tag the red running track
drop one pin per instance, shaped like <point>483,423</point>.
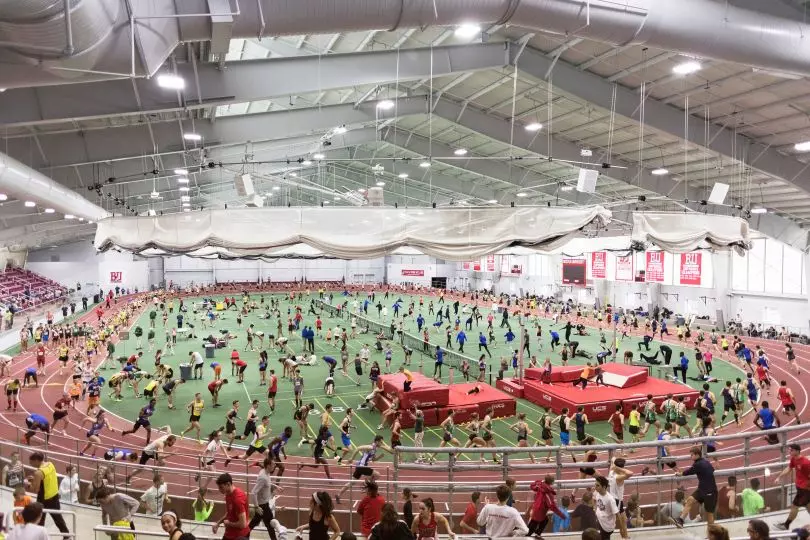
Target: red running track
<point>41,400</point>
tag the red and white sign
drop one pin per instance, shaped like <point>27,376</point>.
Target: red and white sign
<point>624,268</point>
<point>655,266</point>
<point>691,268</point>
<point>465,265</point>
<point>417,273</point>
<point>116,277</point>
<point>490,263</point>
<point>599,264</point>
<point>476,266</point>
<point>516,269</point>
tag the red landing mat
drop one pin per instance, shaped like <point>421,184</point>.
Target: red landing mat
<point>502,403</point>
<point>601,401</point>
<point>425,392</point>
<point>619,375</point>
<point>510,386</point>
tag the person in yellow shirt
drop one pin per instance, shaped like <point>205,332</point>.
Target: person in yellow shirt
<point>64,356</point>
<point>195,408</point>
<point>406,384</point>
<point>584,376</point>
<point>46,485</point>
<point>634,423</point>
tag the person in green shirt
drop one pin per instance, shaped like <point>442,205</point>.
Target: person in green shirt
<point>110,354</point>
<point>202,507</point>
<point>752,501</point>
<point>152,317</point>
<point>138,334</point>
<point>150,337</point>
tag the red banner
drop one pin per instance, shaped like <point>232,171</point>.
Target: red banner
<point>419,273</point>
<point>465,265</point>
<point>655,266</point>
<point>691,268</point>
<point>476,266</point>
<point>624,268</point>
<point>490,263</point>
<point>599,264</point>
<point>116,277</point>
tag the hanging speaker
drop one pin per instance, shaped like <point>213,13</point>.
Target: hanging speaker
<point>587,180</point>
<point>244,185</point>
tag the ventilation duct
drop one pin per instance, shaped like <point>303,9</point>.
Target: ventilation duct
<point>22,182</point>
<point>704,28</point>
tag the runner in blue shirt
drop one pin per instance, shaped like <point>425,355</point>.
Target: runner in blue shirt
<point>766,420</point>
<point>682,367</point>
<point>437,368</point>
<point>482,343</point>
<point>510,336</point>
<point>36,422</point>
<point>420,322</point>
<point>461,338</point>
<point>555,339</point>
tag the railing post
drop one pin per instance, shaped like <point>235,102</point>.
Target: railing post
<point>505,465</point>
<point>450,490</point>
<point>783,455</point>
<point>747,453</point>
<point>298,499</point>
<point>558,459</point>
<point>396,471</point>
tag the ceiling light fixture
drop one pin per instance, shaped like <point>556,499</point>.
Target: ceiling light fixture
<point>30,204</point>
<point>318,156</point>
<point>185,198</point>
<point>336,198</point>
<point>276,188</point>
<point>182,180</point>
<point>460,151</point>
<point>81,219</point>
<point>380,184</point>
<point>802,146</point>
<point>3,90</point>
<point>49,210</point>
<point>567,188</point>
<point>192,136</point>
<point>425,164</point>
<point>685,68</point>
<point>184,188</point>
<point>325,202</point>
<point>522,194</point>
<point>534,126</point>
<point>493,201</point>
<point>403,175</point>
<point>3,197</point>
<point>340,130</point>
<point>171,81</point>
<point>181,171</point>
<point>69,216</point>
<point>759,210</point>
<point>385,105</point>
<point>306,163</point>
<point>661,171</point>
<point>294,174</point>
<point>186,204</point>
<point>468,30</point>
<point>186,209</point>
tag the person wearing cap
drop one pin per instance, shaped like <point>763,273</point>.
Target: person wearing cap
<point>235,519</point>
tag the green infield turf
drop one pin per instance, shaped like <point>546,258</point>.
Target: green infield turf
<point>348,392</point>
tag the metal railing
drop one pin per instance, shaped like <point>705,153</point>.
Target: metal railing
<point>65,513</point>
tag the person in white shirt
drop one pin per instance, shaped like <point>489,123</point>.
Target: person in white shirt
<point>501,520</point>
<point>29,530</point>
<point>69,486</point>
<point>198,363</point>
<point>154,497</point>
<point>606,507</point>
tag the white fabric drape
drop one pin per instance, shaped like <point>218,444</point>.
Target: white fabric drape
<point>682,233</point>
<point>455,234</point>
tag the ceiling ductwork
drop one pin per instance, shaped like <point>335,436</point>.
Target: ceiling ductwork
<point>103,45</point>
<point>22,182</point>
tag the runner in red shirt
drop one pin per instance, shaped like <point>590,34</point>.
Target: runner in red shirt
<point>801,465</point>
<point>235,519</point>
<point>241,366</point>
<point>214,387</point>
<point>41,358</point>
<point>271,391</point>
<point>785,395</point>
<point>764,378</point>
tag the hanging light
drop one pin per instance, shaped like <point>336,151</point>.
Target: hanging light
<point>182,180</point>
<point>687,67</point>
<point>385,105</point>
<point>30,204</point>
<point>192,136</point>
<point>468,30</point>
<point>460,151</point>
<point>522,194</point>
<point>759,210</point>
<point>661,171</point>
<point>182,172</point>
<point>534,126</point>
<point>403,175</point>
<point>425,164</point>
<point>171,81</point>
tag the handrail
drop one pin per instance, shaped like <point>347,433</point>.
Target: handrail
<point>69,513</point>
<point>126,530</point>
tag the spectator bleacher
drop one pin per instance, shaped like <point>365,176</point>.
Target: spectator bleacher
<point>22,289</point>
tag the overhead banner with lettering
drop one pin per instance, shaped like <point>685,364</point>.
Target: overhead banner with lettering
<point>465,265</point>
<point>624,268</point>
<point>691,268</point>
<point>490,263</point>
<point>655,266</point>
<point>417,273</point>
<point>599,264</point>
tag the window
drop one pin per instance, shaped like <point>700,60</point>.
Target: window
<point>773,266</point>
<point>756,267</point>
<point>793,271</point>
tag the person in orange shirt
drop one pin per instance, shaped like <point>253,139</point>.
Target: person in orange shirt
<point>75,391</point>
<point>584,376</point>
<point>21,500</point>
